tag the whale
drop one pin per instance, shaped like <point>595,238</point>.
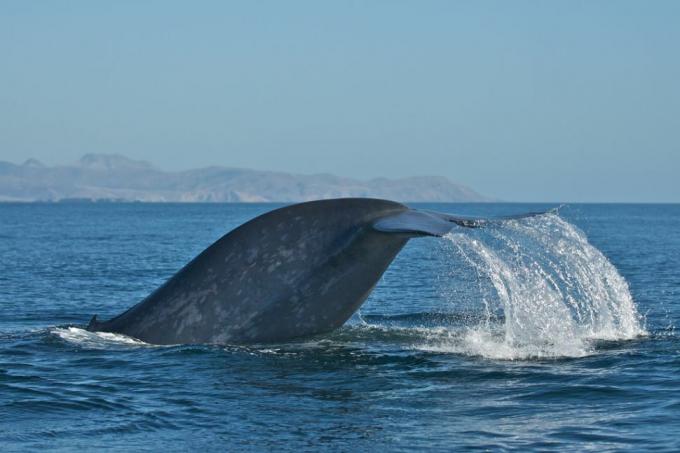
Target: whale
<point>294,272</point>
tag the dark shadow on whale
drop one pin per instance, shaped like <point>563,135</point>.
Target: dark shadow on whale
<point>295,271</point>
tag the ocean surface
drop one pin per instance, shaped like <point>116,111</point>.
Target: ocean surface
<point>551,333</point>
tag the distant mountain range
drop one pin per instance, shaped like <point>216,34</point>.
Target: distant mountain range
<point>107,177</point>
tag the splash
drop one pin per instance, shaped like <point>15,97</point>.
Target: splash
<point>546,292</point>
<point>96,340</point>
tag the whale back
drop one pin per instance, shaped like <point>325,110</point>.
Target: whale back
<point>295,271</point>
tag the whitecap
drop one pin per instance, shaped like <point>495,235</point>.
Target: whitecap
<point>96,340</point>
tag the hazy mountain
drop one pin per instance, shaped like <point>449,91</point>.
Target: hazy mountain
<point>115,177</point>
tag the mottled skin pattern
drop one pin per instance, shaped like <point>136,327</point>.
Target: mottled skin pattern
<point>293,272</point>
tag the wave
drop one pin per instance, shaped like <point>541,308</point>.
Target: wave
<point>96,340</point>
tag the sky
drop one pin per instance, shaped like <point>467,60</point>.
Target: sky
<point>573,101</point>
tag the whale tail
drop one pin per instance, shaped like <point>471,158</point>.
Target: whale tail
<point>432,223</point>
<point>299,270</point>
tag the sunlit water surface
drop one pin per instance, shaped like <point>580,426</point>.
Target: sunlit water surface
<point>547,333</point>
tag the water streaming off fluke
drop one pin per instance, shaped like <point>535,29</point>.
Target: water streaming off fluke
<point>545,292</point>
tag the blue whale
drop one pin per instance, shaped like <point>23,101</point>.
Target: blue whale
<point>296,271</point>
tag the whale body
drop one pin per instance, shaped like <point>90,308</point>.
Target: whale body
<point>296,271</point>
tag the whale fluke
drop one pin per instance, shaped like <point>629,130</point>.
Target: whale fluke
<point>296,271</point>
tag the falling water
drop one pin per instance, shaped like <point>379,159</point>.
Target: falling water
<point>546,292</point>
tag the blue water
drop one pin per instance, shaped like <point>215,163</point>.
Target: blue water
<point>521,336</point>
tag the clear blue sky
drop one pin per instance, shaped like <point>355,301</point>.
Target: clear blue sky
<point>557,101</point>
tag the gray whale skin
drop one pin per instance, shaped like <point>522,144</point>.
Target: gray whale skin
<point>296,271</point>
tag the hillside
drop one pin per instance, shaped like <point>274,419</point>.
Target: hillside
<point>114,177</point>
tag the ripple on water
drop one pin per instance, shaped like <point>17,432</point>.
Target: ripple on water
<point>460,346</point>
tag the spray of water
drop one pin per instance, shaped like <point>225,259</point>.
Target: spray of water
<point>546,292</point>
<point>96,340</point>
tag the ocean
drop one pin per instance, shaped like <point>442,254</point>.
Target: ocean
<point>551,333</point>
